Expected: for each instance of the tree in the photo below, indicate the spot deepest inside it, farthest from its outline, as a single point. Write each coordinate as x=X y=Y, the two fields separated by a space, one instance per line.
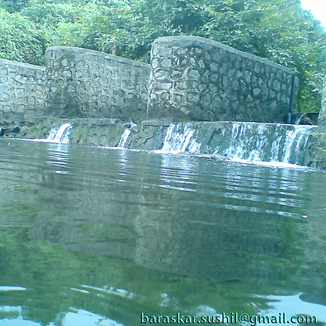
x=20 y=40
x=13 y=5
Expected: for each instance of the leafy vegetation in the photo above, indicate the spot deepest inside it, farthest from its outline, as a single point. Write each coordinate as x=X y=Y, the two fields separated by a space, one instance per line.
x=279 y=30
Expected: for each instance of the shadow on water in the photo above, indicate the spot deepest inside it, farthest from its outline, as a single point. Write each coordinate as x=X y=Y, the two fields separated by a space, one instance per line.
x=99 y=236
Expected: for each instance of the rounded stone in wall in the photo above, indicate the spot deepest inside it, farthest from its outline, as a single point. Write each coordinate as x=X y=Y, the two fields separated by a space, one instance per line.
x=20 y=108
x=4 y=97
x=235 y=84
x=256 y=91
x=66 y=74
x=194 y=75
x=186 y=110
x=164 y=51
x=202 y=87
x=6 y=108
x=71 y=89
x=193 y=97
x=206 y=100
x=257 y=68
x=32 y=100
x=64 y=62
x=217 y=102
x=276 y=85
x=182 y=85
x=212 y=88
x=60 y=82
x=176 y=75
x=104 y=99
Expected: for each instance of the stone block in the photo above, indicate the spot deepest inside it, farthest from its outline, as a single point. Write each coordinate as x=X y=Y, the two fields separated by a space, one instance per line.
x=194 y=74
x=4 y=97
x=193 y=97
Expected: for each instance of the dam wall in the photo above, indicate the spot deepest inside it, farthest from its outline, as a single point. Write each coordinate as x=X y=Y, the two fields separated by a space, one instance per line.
x=91 y=84
x=188 y=79
x=197 y=79
x=22 y=92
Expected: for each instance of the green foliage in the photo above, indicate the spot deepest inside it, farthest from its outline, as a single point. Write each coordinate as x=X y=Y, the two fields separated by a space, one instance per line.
x=85 y=28
x=279 y=30
x=49 y=14
x=20 y=40
x=13 y=5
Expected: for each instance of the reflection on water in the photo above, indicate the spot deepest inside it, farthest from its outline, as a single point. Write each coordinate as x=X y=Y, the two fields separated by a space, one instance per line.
x=58 y=156
x=96 y=236
x=295 y=305
x=178 y=171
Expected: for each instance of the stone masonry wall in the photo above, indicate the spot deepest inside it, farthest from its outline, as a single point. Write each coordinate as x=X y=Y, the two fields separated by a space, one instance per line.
x=22 y=91
x=85 y=83
x=189 y=78
x=322 y=114
x=199 y=79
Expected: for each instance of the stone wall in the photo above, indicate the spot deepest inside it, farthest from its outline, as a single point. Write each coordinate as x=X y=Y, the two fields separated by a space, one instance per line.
x=199 y=79
x=322 y=114
x=85 y=83
x=22 y=91
x=189 y=78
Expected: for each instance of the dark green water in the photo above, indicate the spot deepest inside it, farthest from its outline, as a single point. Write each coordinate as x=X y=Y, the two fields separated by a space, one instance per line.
x=94 y=236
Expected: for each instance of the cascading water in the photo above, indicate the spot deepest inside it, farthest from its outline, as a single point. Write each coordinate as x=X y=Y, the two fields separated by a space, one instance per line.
x=295 y=144
x=124 y=138
x=179 y=139
x=60 y=134
x=248 y=141
x=239 y=141
x=267 y=142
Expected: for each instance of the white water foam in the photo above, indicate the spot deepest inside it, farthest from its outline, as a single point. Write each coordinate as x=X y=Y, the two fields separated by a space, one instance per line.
x=254 y=143
x=268 y=144
x=179 y=140
x=60 y=134
x=296 y=141
x=124 y=138
x=11 y=288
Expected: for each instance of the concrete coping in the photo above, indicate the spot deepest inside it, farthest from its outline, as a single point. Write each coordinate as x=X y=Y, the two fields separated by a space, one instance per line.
x=4 y=62
x=184 y=41
x=97 y=53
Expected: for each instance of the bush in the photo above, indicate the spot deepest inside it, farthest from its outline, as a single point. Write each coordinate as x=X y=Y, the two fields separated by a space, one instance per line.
x=20 y=40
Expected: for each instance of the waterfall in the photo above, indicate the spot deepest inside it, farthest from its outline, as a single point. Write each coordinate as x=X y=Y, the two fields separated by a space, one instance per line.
x=271 y=143
x=248 y=141
x=295 y=144
x=258 y=142
x=60 y=134
x=179 y=138
x=124 y=138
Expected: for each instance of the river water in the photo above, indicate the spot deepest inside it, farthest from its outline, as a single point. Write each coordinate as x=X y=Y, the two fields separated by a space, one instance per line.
x=92 y=236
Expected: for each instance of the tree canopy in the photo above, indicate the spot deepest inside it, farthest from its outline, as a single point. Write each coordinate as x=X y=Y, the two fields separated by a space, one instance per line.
x=279 y=30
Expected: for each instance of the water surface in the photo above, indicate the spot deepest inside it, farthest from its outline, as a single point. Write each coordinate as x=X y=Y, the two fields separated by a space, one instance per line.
x=92 y=236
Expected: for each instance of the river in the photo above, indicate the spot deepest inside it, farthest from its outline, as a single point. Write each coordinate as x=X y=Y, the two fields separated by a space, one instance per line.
x=96 y=236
